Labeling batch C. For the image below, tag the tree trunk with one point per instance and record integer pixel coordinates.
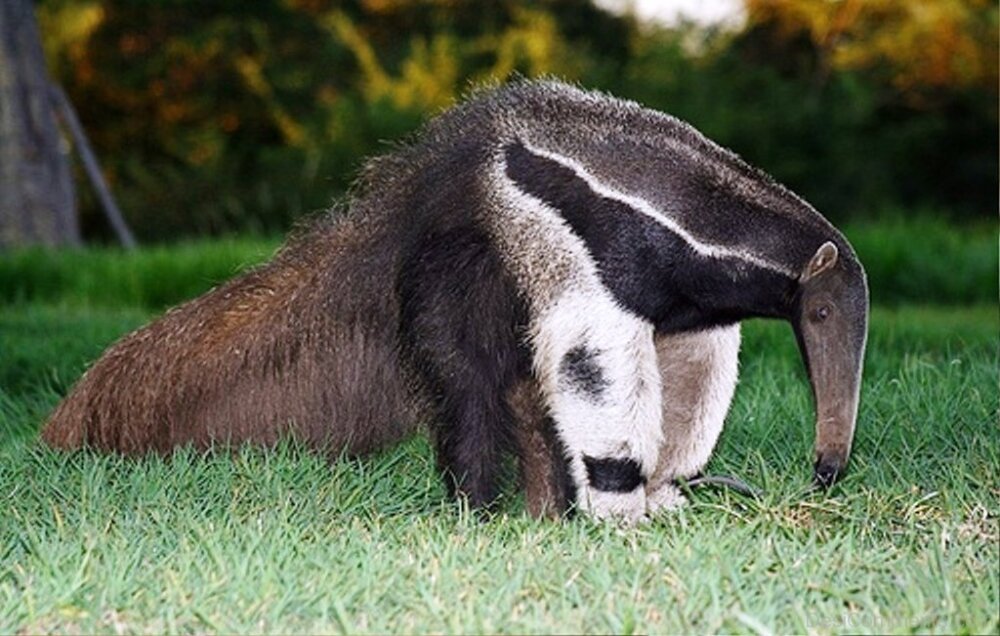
(37, 202)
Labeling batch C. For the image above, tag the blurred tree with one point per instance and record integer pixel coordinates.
(192, 103)
(921, 45)
(37, 204)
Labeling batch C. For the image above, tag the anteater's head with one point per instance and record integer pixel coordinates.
(830, 318)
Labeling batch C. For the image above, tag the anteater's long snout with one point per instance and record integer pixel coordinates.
(834, 361)
(833, 448)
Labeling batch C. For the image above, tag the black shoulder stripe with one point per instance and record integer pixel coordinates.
(595, 219)
(624, 242)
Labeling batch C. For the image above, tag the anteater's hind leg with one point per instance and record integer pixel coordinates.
(460, 322)
(544, 470)
(699, 372)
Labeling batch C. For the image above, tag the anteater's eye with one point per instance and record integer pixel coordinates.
(821, 313)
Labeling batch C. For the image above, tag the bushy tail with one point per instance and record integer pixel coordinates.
(304, 346)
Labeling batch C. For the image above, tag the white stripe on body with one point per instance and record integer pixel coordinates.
(645, 207)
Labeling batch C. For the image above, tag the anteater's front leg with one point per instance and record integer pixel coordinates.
(699, 372)
(598, 370)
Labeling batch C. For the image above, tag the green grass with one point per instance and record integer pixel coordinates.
(283, 541)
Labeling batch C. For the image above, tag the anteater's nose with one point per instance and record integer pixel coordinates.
(827, 471)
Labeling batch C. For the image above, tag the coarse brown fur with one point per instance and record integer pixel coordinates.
(302, 346)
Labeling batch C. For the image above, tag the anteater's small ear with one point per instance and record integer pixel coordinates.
(824, 258)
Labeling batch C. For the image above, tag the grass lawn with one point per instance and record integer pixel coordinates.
(284, 541)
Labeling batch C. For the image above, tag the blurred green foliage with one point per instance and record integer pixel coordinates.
(215, 116)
